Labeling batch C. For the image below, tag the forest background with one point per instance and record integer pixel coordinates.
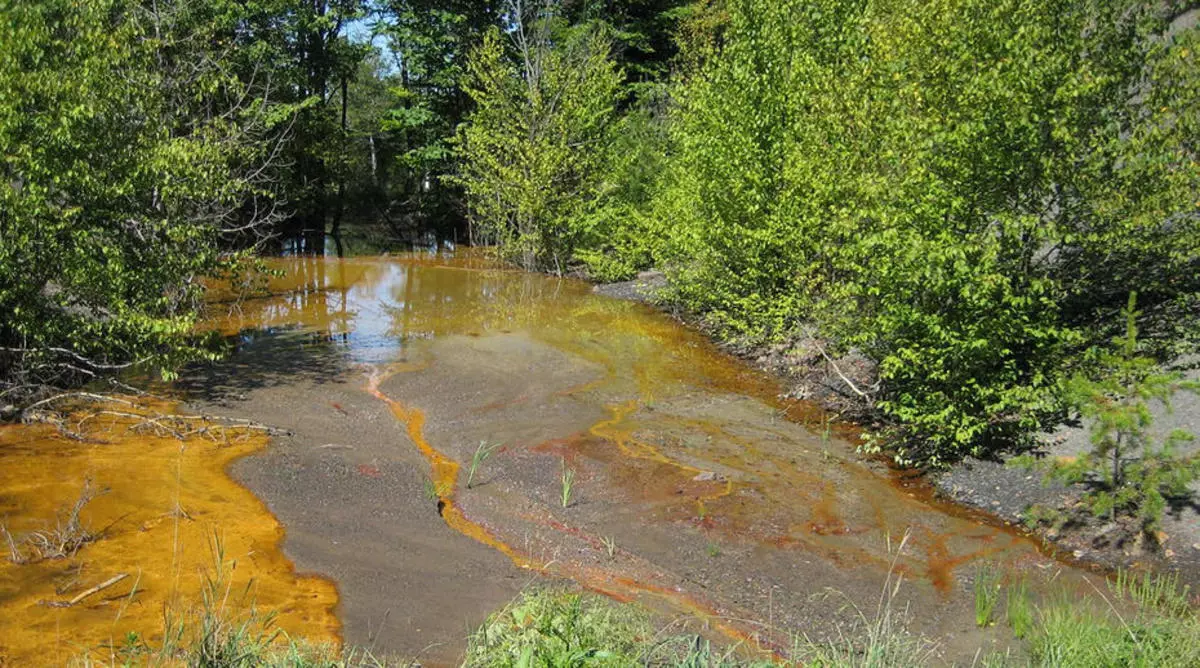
(996, 202)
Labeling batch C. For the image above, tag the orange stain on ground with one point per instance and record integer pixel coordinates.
(163, 502)
(615, 584)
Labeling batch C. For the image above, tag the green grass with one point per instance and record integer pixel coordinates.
(568, 482)
(1147, 622)
(987, 594)
(1162, 593)
(1019, 609)
(879, 639)
(560, 628)
(1141, 622)
(481, 454)
(1071, 635)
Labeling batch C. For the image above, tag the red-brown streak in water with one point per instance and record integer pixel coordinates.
(497, 405)
(918, 488)
(826, 521)
(444, 472)
(607, 429)
(941, 565)
(676, 599)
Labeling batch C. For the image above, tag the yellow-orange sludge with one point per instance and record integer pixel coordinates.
(165, 515)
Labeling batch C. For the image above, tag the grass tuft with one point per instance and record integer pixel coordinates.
(1019, 608)
(568, 482)
(481, 454)
(1160, 593)
(880, 640)
(987, 594)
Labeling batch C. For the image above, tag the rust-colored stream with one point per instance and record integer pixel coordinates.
(686, 436)
(676, 446)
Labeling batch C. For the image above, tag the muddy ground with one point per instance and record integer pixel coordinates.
(352, 496)
(991, 485)
(695, 491)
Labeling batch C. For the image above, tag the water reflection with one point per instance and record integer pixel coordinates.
(678, 442)
(378, 311)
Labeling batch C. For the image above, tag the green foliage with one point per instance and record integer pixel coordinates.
(1019, 609)
(1129, 471)
(567, 479)
(481, 454)
(987, 594)
(561, 630)
(1159, 593)
(962, 190)
(1070, 634)
(643, 30)
(530, 162)
(132, 154)
(621, 233)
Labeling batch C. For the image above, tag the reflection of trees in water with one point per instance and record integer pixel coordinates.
(422, 297)
(628, 339)
(438, 301)
(309, 291)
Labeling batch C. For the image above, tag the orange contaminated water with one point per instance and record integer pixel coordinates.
(167, 517)
(689, 435)
(686, 437)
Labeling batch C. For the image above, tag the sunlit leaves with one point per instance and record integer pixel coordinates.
(963, 190)
(127, 151)
(532, 151)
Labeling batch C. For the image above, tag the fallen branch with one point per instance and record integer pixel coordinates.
(821, 349)
(82, 595)
(178, 426)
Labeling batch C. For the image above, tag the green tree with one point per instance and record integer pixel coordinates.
(133, 154)
(1130, 470)
(430, 41)
(532, 150)
(963, 190)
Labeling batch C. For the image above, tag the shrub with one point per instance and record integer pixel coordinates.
(554, 628)
(964, 191)
(1129, 471)
(532, 151)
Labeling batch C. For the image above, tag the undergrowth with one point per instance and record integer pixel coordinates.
(1140, 621)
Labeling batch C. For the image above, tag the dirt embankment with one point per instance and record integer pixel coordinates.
(993, 486)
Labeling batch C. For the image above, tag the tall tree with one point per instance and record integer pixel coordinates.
(140, 141)
(429, 41)
(532, 152)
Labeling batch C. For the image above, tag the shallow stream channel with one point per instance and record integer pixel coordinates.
(458, 431)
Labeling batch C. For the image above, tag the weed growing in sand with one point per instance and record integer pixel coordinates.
(877, 641)
(60, 541)
(610, 546)
(713, 550)
(568, 482)
(481, 454)
(435, 491)
(987, 594)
